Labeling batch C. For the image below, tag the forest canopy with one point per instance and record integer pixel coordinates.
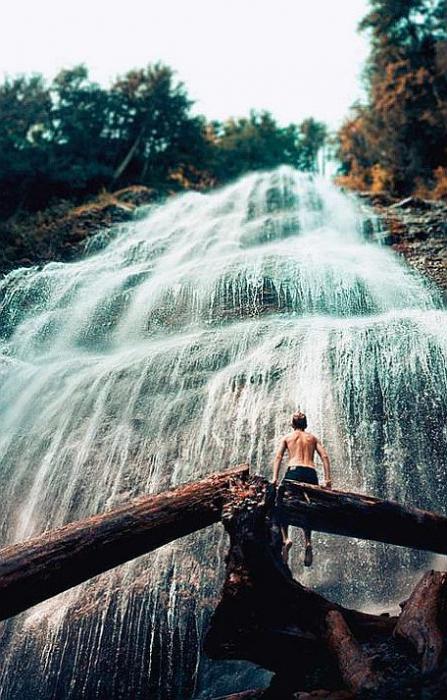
(397, 140)
(72, 137)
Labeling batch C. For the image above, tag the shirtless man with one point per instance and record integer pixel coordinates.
(301, 447)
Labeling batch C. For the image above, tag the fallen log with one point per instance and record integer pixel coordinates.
(55, 561)
(265, 616)
(43, 566)
(356, 668)
(365, 517)
(309, 642)
(422, 619)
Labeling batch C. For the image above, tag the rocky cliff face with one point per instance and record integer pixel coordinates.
(417, 229)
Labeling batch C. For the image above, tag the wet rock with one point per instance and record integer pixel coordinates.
(416, 229)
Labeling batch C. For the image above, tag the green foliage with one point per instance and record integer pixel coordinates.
(402, 131)
(79, 138)
(258, 143)
(253, 143)
(154, 130)
(313, 136)
(25, 126)
(74, 137)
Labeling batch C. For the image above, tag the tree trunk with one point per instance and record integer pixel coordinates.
(422, 620)
(128, 157)
(368, 518)
(43, 566)
(308, 641)
(356, 668)
(266, 617)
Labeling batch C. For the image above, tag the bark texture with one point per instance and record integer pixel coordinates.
(43, 566)
(365, 517)
(423, 619)
(315, 647)
(356, 668)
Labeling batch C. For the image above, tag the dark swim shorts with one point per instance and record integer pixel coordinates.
(308, 475)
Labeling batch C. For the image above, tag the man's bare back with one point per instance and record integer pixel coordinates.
(301, 448)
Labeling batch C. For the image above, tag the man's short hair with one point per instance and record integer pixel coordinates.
(299, 421)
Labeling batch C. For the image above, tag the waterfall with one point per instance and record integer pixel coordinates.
(179, 346)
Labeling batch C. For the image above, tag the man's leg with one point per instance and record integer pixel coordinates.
(308, 554)
(287, 543)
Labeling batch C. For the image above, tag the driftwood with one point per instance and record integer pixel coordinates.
(365, 517)
(309, 642)
(422, 621)
(38, 568)
(356, 668)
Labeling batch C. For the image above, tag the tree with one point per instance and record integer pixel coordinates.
(80, 115)
(25, 128)
(313, 135)
(401, 133)
(152, 126)
(73, 137)
(259, 143)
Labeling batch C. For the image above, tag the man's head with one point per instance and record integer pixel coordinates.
(299, 421)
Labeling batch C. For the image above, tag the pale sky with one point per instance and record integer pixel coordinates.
(296, 58)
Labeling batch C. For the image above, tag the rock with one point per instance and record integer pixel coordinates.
(377, 198)
(416, 229)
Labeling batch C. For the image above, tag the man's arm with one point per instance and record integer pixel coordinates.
(326, 464)
(278, 457)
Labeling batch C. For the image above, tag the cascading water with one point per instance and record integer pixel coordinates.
(178, 348)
